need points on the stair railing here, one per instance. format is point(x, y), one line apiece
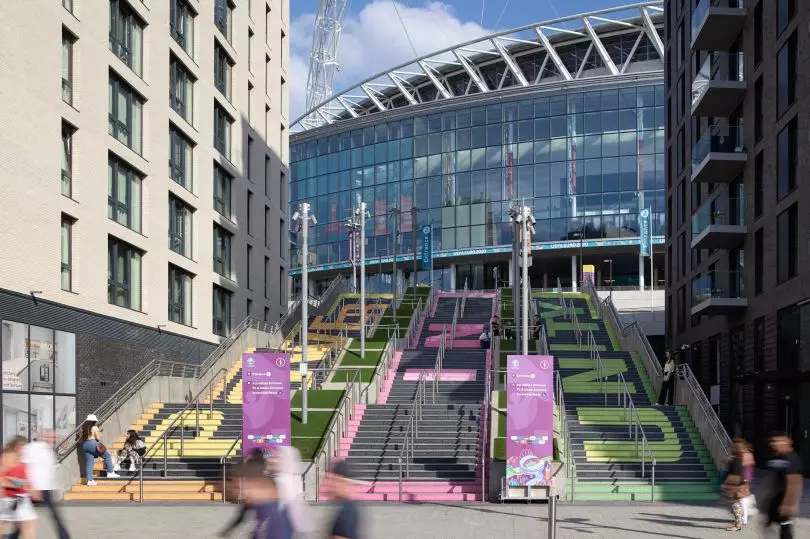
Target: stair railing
point(689, 392)
point(464, 298)
point(406, 452)
point(181, 417)
point(437, 368)
point(560, 293)
point(455, 321)
point(634, 339)
point(380, 372)
point(407, 341)
point(570, 465)
point(636, 430)
point(224, 462)
point(596, 357)
point(575, 322)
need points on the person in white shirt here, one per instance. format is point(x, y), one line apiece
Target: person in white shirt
point(668, 384)
point(40, 460)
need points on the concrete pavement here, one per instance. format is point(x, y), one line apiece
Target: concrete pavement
point(424, 521)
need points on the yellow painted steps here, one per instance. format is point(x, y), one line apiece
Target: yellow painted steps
point(154, 485)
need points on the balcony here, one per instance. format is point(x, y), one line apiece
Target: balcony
point(719, 86)
point(720, 154)
point(716, 24)
point(719, 293)
point(719, 224)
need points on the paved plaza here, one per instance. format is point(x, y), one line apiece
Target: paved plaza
point(430, 520)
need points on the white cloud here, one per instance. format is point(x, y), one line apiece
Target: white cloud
point(373, 40)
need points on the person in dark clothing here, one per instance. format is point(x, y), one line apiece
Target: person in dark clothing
point(253, 465)
point(348, 520)
point(272, 521)
point(536, 327)
point(784, 485)
point(668, 385)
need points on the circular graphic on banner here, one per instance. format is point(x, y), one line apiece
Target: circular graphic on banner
point(645, 213)
point(280, 362)
point(426, 229)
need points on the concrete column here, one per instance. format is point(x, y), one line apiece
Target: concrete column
point(574, 273)
point(545, 278)
point(511, 272)
point(641, 260)
point(452, 277)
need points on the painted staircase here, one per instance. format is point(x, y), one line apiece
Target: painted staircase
point(607, 465)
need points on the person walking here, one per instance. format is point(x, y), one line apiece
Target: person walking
point(734, 487)
point(253, 466)
point(285, 465)
point(17, 508)
point(667, 393)
point(348, 520)
point(93, 448)
point(783, 490)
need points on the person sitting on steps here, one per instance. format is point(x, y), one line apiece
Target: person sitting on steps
point(134, 449)
point(94, 448)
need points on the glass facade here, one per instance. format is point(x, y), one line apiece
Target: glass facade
point(584, 160)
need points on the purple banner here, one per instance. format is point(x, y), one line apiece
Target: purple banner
point(265, 401)
point(529, 421)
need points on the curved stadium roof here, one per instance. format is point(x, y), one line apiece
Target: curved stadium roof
point(599, 44)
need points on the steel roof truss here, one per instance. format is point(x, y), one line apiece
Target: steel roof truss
point(432, 76)
point(472, 72)
point(511, 63)
point(600, 47)
point(554, 56)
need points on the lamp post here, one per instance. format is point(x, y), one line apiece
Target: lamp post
point(526, 233)
point(360, 215)
point(414, 227)
point(515, 214)
point(303, 218)
point(395, 214)
point(353, 226)
point(610, 261)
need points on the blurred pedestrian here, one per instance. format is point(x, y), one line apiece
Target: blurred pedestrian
point(348, 519)
point(734, 487)
point(783, 491)
point(668, 384)
point(285, 467)
point(536, 327)
point(253, 465)
point(17, 508)
point(93, 447)
point(262, 495)
point(749, 467)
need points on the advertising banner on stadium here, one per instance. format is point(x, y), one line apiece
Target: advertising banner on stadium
point(266, 401)
point(529, 421)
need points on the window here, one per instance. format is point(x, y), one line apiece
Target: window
point(123, 194)
point(267, 176)
point(222, 71)
point(180, 160)
point(267, 314)
point(223, 11)
point(788, 338)
point(181, 89)
point(681, 309)
point(282, 286)
point(786, 76)
point(67, 67)
point(180, 226)
point(281, 250)
point(282, 183)
point(283, 46)
point(682, 253)
point(126, 35)
point(787, 244)
point(679, 41)
point(222, 191)
point(758, 110)
point(267, 285)
point(248, 264)
point(126, 109)
point(222, 131)
point(249, 307)
point(681, 151)
point(249, 158)
point(759, 257)
point(250, 104)
point(682, 202)
point(714, 360)
point(759, 344)
point(67, 253)
point(250, 50)
point(758, 187)
point(123, 274)
point(249, 206)
point(222, 251)
point(179, 296)
point(787, 155)
point(67, 160)
point(267, 226)
point(758, 26)
point(181, 23)
point(222, 311)
point(785, 10)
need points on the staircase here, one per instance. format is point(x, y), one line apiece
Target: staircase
point(447, 446)
point(607, 465)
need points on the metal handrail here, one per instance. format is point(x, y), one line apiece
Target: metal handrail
point(464, 298)
point(328, 449)
point(711, 428)
point(412, 432)
point(455, 321)
point(410, 332)
point(630, 413)
point(543, 340)
point(437, 368)
point(380, 372)
point(560, 293)
point(570, 464)
point(575, 321)
point(599, 365)
point(223, 462)
point(195, 401)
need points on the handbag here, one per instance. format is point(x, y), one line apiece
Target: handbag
point(101, 448)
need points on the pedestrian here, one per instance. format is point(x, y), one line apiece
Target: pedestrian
point(286, 470)
point(93, 447)
point(783, 490)
point(134, 449)
point(495, 327)
point(252, 466)
point(748, 469)
point(484, 339)
point(272, 520)
point(734, 487)
point(536, 325)
point(668, 384)
point(348, 519)
point(17, 508)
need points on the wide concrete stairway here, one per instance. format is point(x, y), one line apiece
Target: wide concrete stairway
point(607, 464)
point(446, 454)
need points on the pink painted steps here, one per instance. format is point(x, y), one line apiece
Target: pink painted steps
point(414, 491)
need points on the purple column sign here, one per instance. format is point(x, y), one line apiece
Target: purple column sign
point(529, 421)
point(265, 401)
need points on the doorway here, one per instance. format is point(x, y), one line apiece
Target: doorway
point(802, 434)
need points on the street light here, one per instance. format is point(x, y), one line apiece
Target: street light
point(353, 226)
point(610, 261)
point(396, 214)
point(526, 221)
point(360, 216)
point(302, 217)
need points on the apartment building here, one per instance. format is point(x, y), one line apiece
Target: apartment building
point(143, 194)
point(738, 194)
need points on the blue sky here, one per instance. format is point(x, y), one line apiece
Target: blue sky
point(373, 39)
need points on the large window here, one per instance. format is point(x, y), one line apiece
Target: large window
point(123, 194)
point(180, 227)
point(67, 253)
point(758, 186)
point(180, 158)
point(123, 274)
point(181, 89)
point(785, 10)
point(786, 76)
point(125, 113)
point(222, 131)
point(126, 35)
point(181, 24)
point(67, 160)
point(67, 67)
point(758, 27)
point(222, 191)
point(793, 338)
point(787, 244)
point(787, 160)
point(222, 252)
point(179, 295)
point(39, 380)
point(759, 344)
point(759, 261)
point(223, 13)
point(222, 71)
point(222, 311)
